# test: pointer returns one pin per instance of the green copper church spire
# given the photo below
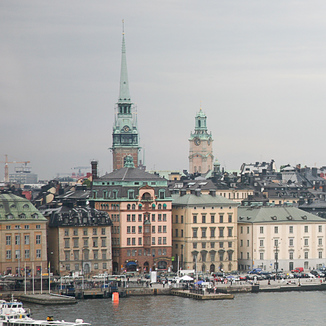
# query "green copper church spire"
(124, 95)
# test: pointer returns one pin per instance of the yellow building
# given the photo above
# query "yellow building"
(22, 236)
(204, 232)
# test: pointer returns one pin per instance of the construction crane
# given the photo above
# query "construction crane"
(6, 162)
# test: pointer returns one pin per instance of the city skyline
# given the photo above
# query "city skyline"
(257, 71)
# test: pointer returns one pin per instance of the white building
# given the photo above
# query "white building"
(281, 238)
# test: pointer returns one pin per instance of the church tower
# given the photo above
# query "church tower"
(125, 138)
(200, 152)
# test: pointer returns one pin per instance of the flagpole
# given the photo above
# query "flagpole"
(49, 279)
(25, 280)
(33, 275)
(41, 278)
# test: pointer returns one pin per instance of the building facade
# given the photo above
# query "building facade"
(79, 241)
(200, 151)
(22, 237)
(125, 139)
(204, 232)
(140, 207)
(281, 238)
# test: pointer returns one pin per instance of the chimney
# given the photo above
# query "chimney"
(212, 192)
(183, 192)
(197, 192)
(94, 169)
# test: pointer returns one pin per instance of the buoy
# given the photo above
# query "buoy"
(115, 296)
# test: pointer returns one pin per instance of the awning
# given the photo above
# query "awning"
(131, 263)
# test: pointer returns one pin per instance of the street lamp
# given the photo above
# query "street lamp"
(276, 254)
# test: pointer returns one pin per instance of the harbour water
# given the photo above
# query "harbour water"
(289, 308)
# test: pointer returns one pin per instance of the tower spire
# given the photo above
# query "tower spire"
(124, 95)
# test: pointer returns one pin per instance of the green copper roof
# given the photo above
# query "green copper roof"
(13, 207)
(202, 200)
(124, 95)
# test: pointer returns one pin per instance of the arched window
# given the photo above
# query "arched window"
(128, 206)
(159, 206)
(133, 206)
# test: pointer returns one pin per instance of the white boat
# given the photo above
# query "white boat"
(26, 321)
(13, 307)
(7, 317)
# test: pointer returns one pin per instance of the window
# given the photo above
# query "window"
(38, 226)
(176, 219)
(221, 218)
(38, 239)
(159, 240)
(306, 228)
(133, 241)
(103, 231)
(248, 257)
(320, 254)
(17, 239)
(194, 245)
(221, 232)
(140, 229)
(291, 255)
(164, 230)
(75, 232)
(133, 229)
(86, 242)
(94, 231)
(139, 217)
(247, 243)
(306, 255)
(230, 244)
(261, 256)
(8, 254)
(320, 228)
(194, 232)
(159, 217)
(276, 243)
(290, 229)
(221, 245)
(153, 228)
(8, 240)
(164, 240)
(203, 232)
(8, 227)
(230, 218)
(248, 229)
(275, 229)
(203, 245)
(95, 265)
(103, 244)
(241, 229)
(230, 232)
(159, 229)
(291, 242)
(241, 243)
(26, 253)
(212, 244)
(153, 240)
(261, 243)
(139, 241)
(26, 227)
(261, 229)
(67, 244)
(320, 241)
(181, 223)
(128, 229)
(128, 217)
(203, 218)
(164, 217)
(176, 233)
(194, 218)
(85, 232)
(128, 242)
(212, 218)
(38, 253)
(306, 242)
(212, 232)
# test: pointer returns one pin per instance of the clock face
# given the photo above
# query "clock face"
(197, 141)
(126, 128)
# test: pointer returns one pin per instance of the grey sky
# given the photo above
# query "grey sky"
(257, 67)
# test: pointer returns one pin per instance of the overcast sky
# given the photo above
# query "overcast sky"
(257, 68)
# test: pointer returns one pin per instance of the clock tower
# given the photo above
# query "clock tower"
(125, 138)
(200, 152)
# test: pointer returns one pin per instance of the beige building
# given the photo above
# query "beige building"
(22, 236)
(281, 238)
(79, 241)
(204, 232)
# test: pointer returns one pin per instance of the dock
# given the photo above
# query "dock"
(200, 295)
(47, 299)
